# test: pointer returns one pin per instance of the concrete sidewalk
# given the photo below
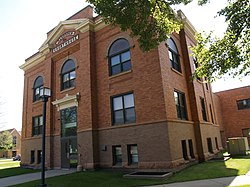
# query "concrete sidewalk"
(218, 182)
(19, 179)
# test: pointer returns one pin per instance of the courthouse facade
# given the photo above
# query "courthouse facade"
(112, 105)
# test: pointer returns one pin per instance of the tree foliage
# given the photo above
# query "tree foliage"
(231, 53)
(6, 140)
(152, 21)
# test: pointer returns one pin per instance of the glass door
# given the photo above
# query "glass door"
(69, 152)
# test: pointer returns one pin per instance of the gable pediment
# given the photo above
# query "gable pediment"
(68, 31)
(60, 29)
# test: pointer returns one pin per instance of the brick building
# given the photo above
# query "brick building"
(16, 142)
(112, 105)
(234, 113)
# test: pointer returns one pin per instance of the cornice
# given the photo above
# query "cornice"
(66, 102)
(100, 24)
(36, 59)
(63, 25)
(187, 24)
(86, 26)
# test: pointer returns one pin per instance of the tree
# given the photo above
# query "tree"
(231, 53)
(152, 21)
(6, 140)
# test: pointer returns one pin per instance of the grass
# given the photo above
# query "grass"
(207, 170)
(9, 164)
(15, 171)
(12, 168)
(5, 160)
(92, 179)
(214, 169)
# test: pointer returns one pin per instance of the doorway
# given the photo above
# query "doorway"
(69, 152)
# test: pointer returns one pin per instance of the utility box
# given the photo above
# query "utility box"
(238, 146)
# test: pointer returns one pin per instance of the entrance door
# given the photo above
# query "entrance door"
(69, 152)
(13, 153)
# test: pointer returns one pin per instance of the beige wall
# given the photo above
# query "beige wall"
(210, 131)
(152, 141)
(35, 144)
(177, 134)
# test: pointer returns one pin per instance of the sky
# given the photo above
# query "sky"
(24, 25)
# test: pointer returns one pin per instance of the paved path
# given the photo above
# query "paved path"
(19, 179)
(218, 182)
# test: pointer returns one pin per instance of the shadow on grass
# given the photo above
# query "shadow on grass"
(240, 157)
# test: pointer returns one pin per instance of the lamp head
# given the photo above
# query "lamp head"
(45, 92)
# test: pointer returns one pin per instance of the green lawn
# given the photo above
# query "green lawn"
(92, 179)
(211, 169)
(5, 160)
(11, 168)
(9, 164)
(214, 169)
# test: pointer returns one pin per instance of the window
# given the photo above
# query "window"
(211, 112)
(119, 57)
(38, 84)
(180, 103)
(246, 132)
(184, 149)
(14, 141)
(32, 157)
(209, 145)
(191, 149)
(14, 154)
(37, 125)
(173, 55)
(117, 155)
(196, 65)
(203, 109)
(132, 154)
(216, 143)
(68, 75)
(39, 156)
(68, 122)
(123, 109)
(243, 104)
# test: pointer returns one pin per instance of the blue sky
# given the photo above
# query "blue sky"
(24, 24)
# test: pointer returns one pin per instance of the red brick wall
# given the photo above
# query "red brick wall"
(142, 79)
(234, 120)
(151, 79)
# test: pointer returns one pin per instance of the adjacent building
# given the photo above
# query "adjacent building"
(234, 113)
(112, 105)
(16, 142)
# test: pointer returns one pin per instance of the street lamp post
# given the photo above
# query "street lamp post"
(45, 93)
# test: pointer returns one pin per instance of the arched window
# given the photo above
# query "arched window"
(38, 84)
(173, 54)
(68, 75)
(119, 57)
